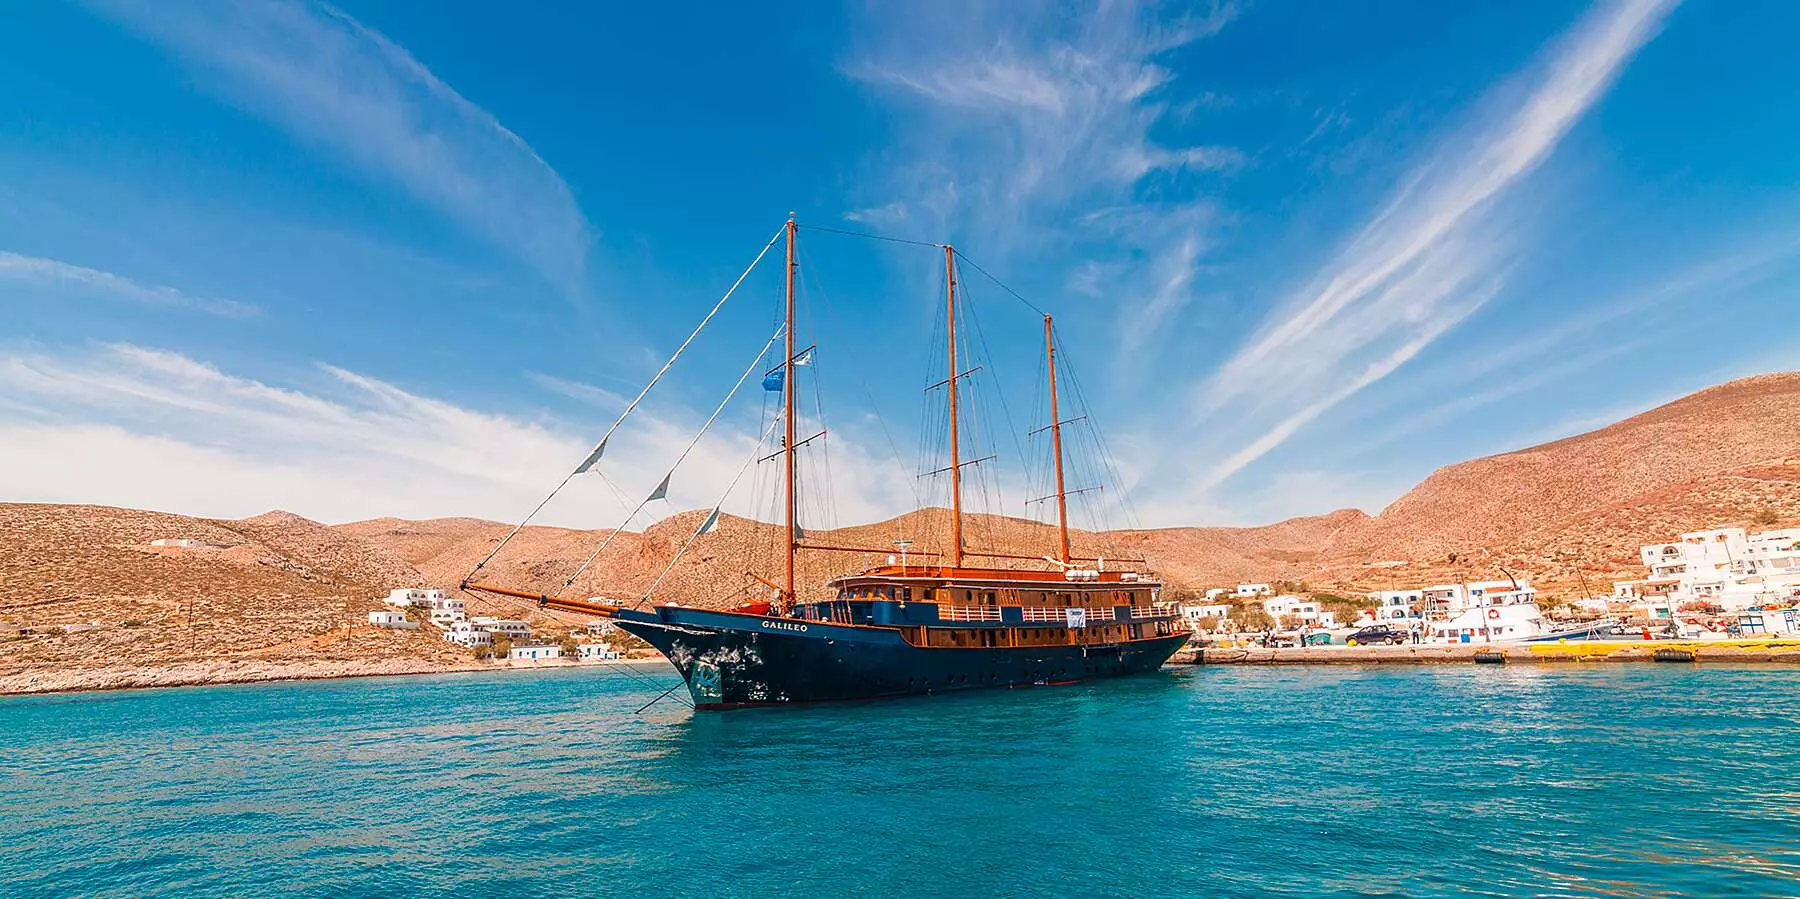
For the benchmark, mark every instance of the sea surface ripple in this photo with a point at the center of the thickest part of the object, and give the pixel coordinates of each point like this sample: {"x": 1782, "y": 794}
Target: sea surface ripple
{"x": 1647, "y": 780}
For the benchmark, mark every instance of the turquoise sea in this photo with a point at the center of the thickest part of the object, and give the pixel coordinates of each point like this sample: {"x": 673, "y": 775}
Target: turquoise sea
{"x": 1641, "y": 780}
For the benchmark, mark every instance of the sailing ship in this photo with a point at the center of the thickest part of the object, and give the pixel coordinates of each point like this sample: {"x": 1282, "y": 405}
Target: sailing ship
{"x": 904, "y": 627}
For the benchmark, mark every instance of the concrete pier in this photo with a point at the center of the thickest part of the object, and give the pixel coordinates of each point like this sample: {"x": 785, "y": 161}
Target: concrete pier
{"x": 1760, "y": 650}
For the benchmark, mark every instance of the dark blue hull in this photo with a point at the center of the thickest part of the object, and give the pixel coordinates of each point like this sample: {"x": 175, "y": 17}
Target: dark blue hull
{"x": 732, "y": 660}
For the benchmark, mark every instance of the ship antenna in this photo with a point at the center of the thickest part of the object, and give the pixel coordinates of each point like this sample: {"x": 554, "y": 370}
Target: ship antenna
{"x": 1062, "y": 498}
{"x": 787, "y": 443}
{"x": 956, "y": 539}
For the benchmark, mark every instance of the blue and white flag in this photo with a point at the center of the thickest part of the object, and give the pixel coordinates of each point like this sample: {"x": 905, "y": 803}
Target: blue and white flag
{"x": 662, "y": 489}
{"x": 804, "y": 358}
{"x": 710, "y": 524}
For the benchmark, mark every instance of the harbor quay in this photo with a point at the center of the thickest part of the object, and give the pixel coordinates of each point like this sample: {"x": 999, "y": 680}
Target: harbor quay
{"x": 1782, "y": 651}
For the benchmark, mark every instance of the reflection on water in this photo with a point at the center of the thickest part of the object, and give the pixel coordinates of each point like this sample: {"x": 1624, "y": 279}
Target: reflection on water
{"x": 1617, "y": 780}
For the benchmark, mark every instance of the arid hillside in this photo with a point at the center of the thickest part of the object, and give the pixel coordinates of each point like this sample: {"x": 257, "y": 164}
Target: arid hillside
{"x": 1576, "y": 510}
{"x": 89, "y": 589}
{"x": 715, "y": 568}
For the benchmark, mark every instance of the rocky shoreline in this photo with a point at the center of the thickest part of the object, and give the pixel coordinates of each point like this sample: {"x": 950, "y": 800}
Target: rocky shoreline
{"x": 49, "y": 679}
{"x": 1786, "y": 652}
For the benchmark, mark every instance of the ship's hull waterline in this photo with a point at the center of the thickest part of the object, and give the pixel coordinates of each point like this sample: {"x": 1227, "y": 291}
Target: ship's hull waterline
{"x": 758, "y": 661}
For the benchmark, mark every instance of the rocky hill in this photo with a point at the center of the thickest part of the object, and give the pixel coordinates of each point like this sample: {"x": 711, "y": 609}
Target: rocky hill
{"x": 1578, "y": 508}
{"x": 85, "y": 587}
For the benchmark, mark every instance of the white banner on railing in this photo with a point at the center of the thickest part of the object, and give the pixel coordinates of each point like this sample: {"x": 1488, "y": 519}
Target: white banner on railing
{"x": 1077, "y": 617}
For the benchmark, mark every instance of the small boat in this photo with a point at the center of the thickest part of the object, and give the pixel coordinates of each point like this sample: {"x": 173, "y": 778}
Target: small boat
{"x": 1511, "y": 622}
{"x": 902, "y": 628}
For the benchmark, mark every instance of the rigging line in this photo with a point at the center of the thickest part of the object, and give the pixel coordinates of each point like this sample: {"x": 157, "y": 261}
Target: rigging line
{"x": 659, "y": 698}
{"x": 612, "y": 667}
{"x": 594, "y": 453}
{"x": 1015, "y": 294}
{"x": 530, "y": 608}
{"x": 617, "y": 494}
{"x": 856, "y": 375}
{"x": 1105, "y": 451}
{"x": 1005, "y": 410}
{"x": 755, "y": 363}
{"x": 754, "y": 455}
{"x": 826, "y": 504}
{"x": 868, "y": 236}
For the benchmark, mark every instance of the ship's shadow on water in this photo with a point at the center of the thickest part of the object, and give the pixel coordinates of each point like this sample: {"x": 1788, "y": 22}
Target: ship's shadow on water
{"x": 1631, "y": 781}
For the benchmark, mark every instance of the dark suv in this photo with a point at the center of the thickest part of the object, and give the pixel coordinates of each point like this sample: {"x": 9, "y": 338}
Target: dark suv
{"x": 1379, "y": 633}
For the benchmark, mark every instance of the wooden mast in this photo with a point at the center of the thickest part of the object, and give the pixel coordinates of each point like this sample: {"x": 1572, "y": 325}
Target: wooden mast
{"x": 1062, "y": 498}
{"x": 787, "y": 444}
{"x": 956, "y": 539}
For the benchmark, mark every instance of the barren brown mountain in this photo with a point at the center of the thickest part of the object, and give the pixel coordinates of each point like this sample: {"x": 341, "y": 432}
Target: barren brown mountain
{"x": 94, "y": 594}
{"x": 1573, "y": 512}
{"x": 279, "y": 589}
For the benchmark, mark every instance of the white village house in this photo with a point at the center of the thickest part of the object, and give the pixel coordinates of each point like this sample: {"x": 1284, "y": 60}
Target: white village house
{"x": 1303, "y": 610}
{"x": 1725, "y": 567}
{"x": 445, "y": 610}
{"x": 406, "y": 597}
{"x": 535, "y": 653}
{"x": 393, "y": 619}
{"x": 1398, "y": 608}
{"x": 511, "y": 627}
{"x": 592, "y": 652}
{"x": 1196, "y": 613}
{"x": 467, "y": 634}
{"x": 1245, "y": 591}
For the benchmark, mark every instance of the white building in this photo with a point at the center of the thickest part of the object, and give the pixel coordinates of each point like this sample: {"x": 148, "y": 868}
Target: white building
{"x": 1195, "y": 614}
{"x": 404, "y": 597}
{"x": 466, "y": 634}
{"x": 535, "y": 652}
{"x": 1245, "y": 591}
{"x": 594, "y": 652}
{"x": 1301, "y": 609}
{"x": 1397, "y": 608}
{"x": 445, "y": 610}
{"x": 392, "y": 619}
{"x": 511, "y": 627}
{"x": 1449, "y": 599}
{"x": 1725, "y": 567}
{"x": 1215, "y": 592}
{"x": 1769, "y": 622}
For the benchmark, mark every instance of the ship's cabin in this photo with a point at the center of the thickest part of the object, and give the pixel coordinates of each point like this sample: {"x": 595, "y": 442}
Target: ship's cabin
{"x": 998, "y": 607}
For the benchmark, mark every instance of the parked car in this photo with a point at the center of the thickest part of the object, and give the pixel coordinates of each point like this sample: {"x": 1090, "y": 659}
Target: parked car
{"x": 1379, "y": 633}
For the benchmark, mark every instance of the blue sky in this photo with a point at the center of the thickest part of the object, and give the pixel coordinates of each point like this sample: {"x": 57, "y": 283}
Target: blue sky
{"x": 383, "y": 258}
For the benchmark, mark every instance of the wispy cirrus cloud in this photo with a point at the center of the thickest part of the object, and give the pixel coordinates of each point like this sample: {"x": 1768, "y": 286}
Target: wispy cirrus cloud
{"x": 330, "y": 82}
{"x": 600, "y": 397}
{"x": 1436, "y": 251}
{"x": 1033, "y": 130}
{"x": 65, "y": 278}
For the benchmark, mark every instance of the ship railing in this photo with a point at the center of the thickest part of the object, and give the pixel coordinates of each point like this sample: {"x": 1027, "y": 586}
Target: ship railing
{"x": 969, "y": 613}
{"x": 1160, "y": 610}
{"x": 1039, "y": 614}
